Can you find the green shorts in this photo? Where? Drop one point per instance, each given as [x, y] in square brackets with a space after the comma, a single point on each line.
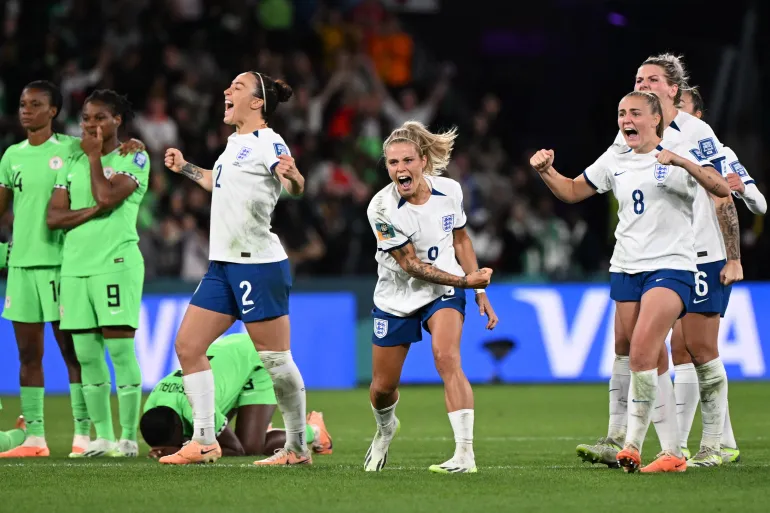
[32, 294]
[257, 390]
[112, 299]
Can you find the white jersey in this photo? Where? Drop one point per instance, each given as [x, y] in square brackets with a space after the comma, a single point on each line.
[706, 148]
[429, 228]
[243, 199]
[655, 209]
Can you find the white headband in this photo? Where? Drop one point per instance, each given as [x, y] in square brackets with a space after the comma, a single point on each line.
[264, 96]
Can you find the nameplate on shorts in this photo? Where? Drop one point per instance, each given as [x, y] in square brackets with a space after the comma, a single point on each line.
[245, 255]
[118, 260]
[703, 253]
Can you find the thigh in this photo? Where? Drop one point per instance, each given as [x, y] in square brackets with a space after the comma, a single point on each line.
[627, 312]
[446, 328]
[29, 339]
[626, 287]
[214, 292]
[679, 282]
[390, 330]
[200, 328]
[76, 306]
[22, 300]
[48, 280]
[117, 297]
[270, 335]
[387, 364]
[622, 340]
[261, 291]
[454, 302]
[660, 307]
[701, 335]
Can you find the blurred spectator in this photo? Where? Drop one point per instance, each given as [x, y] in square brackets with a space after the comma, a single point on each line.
[156, 128]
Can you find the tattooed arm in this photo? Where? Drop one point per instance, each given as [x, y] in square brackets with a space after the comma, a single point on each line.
[176, 163]
[416, 268]
[727, 216]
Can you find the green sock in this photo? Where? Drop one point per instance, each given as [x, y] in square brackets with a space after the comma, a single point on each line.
[309, 433]
[128, 377]
[11, 439]
[32, 409]
[89, 348]
[79, 410]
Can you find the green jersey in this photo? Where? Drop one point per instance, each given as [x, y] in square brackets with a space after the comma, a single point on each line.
[236, 366]
[30, 172]
[107, 243]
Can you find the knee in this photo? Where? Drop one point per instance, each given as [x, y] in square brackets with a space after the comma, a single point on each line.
[185, 352]
[382, 388]
[679, 354]
[31, 355]
[447, 361]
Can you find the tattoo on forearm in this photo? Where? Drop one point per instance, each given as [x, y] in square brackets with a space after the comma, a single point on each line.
[728, 223]
[192, 172]
[714, 189]
[429, 273]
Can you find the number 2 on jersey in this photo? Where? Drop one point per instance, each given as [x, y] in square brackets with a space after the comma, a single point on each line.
[638, 198]
[219, 173]
[245, 298]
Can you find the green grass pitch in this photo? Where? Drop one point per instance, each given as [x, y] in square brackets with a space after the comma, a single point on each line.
[525, 451]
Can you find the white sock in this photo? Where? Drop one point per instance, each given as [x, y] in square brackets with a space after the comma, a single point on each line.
[81, 441]
[728, 437]
[199, 388]
[621, 377]
[462, 425]
[713, 401]
[386, 419]
[687, 395]
[34, 441]
[664, 416]
[290, 395]
[641, 397]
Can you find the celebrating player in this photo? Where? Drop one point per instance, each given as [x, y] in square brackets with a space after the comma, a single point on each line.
[651, 273]
[664, 75]
[249, 276]
[419, 221]
[244, 390]
[97, 197]
[27, 175]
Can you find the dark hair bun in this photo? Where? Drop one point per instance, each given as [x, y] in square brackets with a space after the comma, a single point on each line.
[283, 91]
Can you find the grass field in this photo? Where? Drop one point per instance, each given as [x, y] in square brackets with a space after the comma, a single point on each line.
[525, 450]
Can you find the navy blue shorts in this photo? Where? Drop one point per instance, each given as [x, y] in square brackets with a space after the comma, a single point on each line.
[710, 295]
[391, 330]
[250, 292]
[631, 287]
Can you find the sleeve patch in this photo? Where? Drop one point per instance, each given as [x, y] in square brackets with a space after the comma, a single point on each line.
[707, 147]
[697, 154]
[281, 149]
[140, 159]
[738, 169]
[385, 231]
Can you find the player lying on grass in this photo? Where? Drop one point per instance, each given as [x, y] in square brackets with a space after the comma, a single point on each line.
[244, 390]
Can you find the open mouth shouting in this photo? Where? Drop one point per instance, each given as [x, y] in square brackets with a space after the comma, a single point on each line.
[631, 134]
[404, 183]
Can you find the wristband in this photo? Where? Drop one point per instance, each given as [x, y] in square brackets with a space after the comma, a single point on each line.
[480, 291]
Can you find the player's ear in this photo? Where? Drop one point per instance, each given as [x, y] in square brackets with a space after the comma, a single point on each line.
[118, 120]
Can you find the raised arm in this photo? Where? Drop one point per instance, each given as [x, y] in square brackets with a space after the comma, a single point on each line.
[748, 192]
[60, 216]
[176, 163]
[289, 175]
[566, 189]
[416, 268]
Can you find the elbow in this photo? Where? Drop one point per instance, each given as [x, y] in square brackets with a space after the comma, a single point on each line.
[104, 201]
[51, 220]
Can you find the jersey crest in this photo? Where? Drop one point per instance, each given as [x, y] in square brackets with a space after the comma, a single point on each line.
[661, 172]
[243, 153]
[380, 328]
[108, 172]
[738, 169]
[707, 147]
[697, 154]
[280, 149]
[385, 231]
[55, 163]
[448, 222]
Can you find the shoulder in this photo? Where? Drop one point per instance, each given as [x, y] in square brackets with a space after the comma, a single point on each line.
[447, 186]
[384, 203]
[700, 132]
[139, 161]
[273, 143]
[14, 149]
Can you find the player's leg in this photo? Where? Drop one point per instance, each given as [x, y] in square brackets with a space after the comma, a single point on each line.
[664, 410]
[23, 308]
[605, 449]
[446, 326]
[685, 386]
[117, 301]
[251, 429]
[261, 293]
[15, 437]
[211, 312]
[701, 333]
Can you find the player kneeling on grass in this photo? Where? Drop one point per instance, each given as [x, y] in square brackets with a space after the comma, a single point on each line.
[244, 389]
[425, 260]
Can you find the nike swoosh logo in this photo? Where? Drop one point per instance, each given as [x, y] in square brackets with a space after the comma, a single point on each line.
[116, 313]
[16, 167]
[244, 312]
[659, 279]
[696, 301]
[635, 401]
[618, 174]
[210, 450]
[445, 298]
[614, 389]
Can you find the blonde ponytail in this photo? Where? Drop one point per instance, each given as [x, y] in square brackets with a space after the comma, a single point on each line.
[436, 147]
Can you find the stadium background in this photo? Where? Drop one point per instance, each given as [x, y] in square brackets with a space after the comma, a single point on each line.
[545, 74]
